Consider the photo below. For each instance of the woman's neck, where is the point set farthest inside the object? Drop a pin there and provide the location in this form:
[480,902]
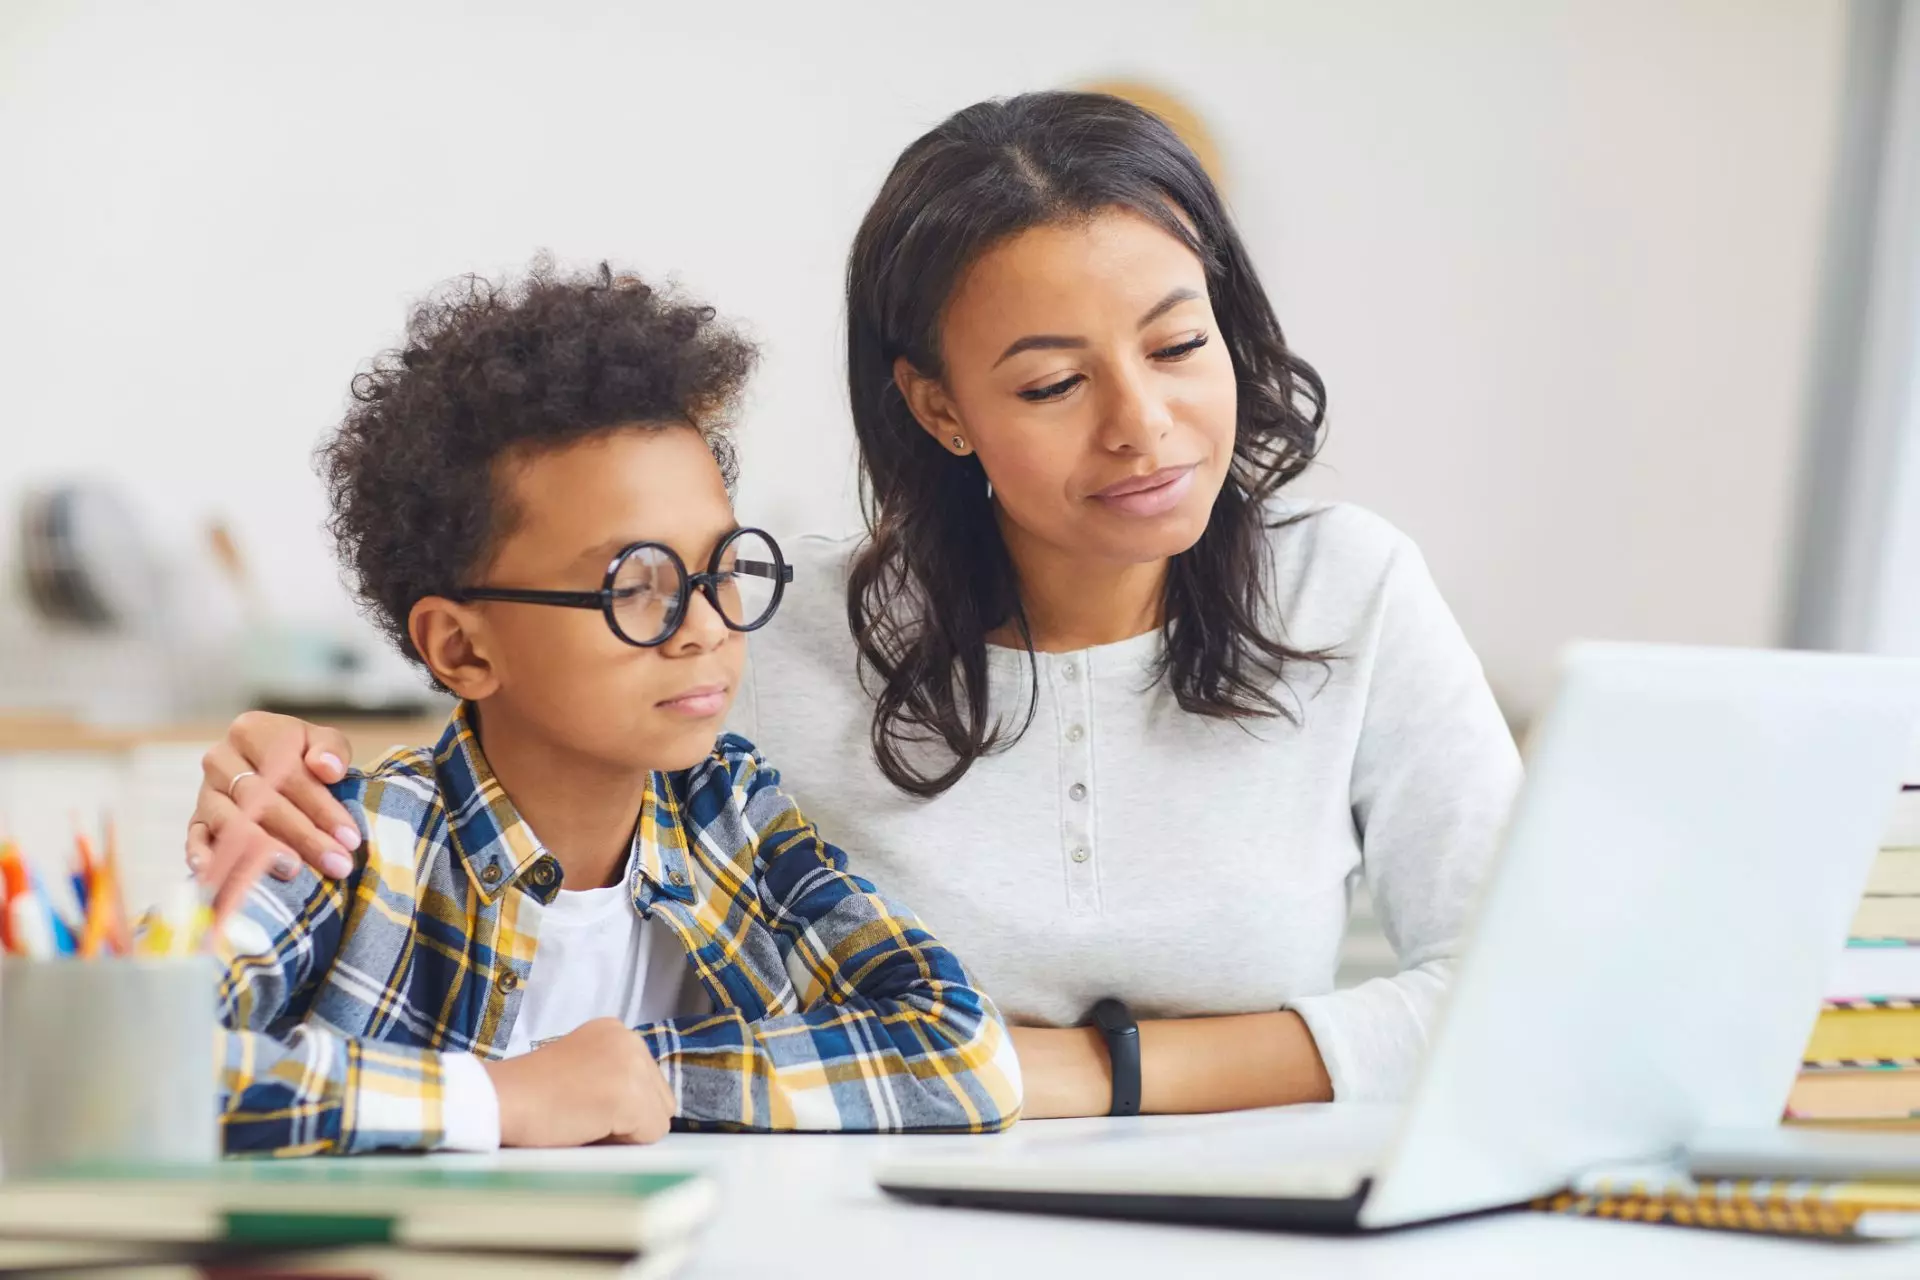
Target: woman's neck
[1076,603]
[583,811]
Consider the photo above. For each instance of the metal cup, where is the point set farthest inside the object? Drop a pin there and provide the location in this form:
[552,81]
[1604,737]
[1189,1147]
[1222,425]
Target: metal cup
[107,1061]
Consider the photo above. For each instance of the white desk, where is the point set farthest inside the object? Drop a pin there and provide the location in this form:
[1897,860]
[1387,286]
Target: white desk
[797,1207]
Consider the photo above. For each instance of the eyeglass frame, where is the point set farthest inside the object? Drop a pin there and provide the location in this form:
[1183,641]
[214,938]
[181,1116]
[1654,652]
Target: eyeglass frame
[708,584]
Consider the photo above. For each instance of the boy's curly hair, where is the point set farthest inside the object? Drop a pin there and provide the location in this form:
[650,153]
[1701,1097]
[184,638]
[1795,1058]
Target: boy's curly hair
[490,369]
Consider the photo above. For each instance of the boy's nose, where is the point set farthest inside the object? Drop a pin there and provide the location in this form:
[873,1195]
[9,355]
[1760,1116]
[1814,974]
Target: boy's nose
[701,629]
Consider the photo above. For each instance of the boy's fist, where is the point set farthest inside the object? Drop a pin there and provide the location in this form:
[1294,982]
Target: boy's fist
[596,1084]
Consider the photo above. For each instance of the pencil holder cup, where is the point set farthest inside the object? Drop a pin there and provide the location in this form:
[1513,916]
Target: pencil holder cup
[106,1061]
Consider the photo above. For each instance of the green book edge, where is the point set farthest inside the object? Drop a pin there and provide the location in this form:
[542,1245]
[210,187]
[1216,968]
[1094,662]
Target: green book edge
[303,1230]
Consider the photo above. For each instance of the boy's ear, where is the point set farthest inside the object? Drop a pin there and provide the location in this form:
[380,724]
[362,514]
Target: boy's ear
[453,640]
[930,405]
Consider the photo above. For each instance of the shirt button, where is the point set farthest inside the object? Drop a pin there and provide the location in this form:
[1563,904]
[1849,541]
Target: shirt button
[678,879]
[490,874]
[1070,671]
[543,874]
[1076,733]
[1078,791]
[508,982]
[1080,853]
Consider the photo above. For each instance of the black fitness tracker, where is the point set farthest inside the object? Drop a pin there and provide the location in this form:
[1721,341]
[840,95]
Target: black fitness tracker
[1115,1023]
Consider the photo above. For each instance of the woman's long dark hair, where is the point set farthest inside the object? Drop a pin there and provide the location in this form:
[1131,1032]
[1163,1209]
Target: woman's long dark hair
[934,577]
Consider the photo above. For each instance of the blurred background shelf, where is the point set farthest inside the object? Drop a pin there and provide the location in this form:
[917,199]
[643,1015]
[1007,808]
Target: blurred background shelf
[55,771]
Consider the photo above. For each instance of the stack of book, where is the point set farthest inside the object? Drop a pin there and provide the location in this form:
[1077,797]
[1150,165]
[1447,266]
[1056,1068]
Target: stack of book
[1862,1066]
[366,1218]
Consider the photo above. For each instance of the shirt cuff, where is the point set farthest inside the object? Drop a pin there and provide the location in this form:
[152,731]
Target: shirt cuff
[471,1106]
[1373,1037]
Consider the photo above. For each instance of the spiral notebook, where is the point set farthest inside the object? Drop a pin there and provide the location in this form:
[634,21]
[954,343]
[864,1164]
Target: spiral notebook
[1834,1210]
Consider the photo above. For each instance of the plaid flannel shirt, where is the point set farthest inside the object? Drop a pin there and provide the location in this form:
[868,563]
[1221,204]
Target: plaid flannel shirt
[834,1008]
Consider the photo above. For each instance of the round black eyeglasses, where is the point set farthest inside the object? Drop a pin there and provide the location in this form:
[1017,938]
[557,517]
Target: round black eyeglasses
[644,596]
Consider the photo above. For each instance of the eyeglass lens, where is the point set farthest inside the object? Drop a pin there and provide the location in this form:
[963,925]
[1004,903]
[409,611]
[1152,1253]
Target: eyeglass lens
[647,587]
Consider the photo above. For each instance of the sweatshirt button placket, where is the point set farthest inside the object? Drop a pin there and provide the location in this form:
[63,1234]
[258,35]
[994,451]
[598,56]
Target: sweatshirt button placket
[1074,687]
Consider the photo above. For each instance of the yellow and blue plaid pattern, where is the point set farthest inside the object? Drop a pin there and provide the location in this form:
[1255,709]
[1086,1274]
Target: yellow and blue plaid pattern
[834,1008]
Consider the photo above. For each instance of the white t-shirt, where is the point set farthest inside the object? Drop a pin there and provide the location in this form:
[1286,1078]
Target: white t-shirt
[1189,866]
[598,959]
[595,957]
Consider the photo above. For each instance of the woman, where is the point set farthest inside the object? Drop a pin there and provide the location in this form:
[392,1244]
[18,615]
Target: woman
[1116,717]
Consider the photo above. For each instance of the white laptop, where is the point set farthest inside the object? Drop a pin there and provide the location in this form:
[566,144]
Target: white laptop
[1646,964]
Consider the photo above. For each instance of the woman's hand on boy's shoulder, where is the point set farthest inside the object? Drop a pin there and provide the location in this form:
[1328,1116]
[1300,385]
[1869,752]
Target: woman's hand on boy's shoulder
[264,807]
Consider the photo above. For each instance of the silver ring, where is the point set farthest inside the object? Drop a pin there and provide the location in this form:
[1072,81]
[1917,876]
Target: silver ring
[244,773]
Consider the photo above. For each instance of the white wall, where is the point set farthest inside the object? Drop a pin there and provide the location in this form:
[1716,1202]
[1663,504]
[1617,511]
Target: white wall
[1898,629]
[1895,608]
[1556,260]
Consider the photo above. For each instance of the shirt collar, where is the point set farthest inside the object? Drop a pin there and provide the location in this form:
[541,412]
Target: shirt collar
[489,836]
[496,845]
[662,836]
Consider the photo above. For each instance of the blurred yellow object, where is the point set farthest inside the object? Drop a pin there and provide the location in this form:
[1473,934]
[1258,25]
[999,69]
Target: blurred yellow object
[178,926]
[1180,117]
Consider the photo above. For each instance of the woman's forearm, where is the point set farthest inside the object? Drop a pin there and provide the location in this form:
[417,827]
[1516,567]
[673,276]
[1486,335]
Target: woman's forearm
[1186,1065]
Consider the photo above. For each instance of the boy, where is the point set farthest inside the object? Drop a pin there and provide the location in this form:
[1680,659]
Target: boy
[578,917]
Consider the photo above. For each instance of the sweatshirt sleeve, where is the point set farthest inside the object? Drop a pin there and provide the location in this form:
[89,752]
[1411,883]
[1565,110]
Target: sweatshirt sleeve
[1435,772]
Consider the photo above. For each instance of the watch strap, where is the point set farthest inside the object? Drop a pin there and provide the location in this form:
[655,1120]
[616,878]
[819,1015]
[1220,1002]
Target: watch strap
[1117,1027]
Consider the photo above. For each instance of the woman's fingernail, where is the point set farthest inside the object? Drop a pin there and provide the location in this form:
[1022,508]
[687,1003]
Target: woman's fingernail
[337,866]
[332,762]
[349,837]
[285,866]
